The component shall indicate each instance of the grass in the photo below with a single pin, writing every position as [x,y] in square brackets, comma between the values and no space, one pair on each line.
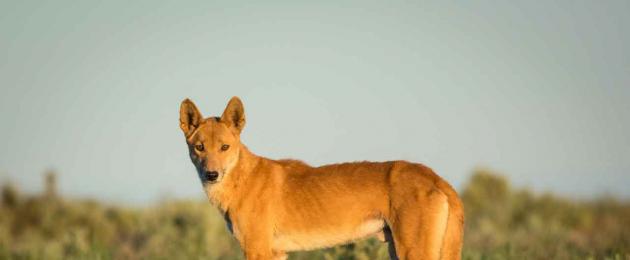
[501,223]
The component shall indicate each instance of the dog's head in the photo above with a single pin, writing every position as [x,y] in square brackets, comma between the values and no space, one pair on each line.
[214,143]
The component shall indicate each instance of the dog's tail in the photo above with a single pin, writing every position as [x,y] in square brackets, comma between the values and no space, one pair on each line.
[454,235]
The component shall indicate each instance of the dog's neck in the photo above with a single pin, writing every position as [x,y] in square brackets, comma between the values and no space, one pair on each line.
[222,194]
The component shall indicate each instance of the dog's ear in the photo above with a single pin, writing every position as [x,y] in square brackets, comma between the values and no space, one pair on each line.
[189,117]
[234,114]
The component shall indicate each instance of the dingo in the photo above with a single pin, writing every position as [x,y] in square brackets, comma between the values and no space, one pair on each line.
[276,206]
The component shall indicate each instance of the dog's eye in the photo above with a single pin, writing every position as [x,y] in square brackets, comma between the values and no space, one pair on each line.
[225,147]
[199,147]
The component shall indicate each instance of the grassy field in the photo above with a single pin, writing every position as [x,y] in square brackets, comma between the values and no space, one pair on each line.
[501,223]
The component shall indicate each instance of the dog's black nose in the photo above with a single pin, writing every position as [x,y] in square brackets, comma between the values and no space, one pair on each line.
[211,176]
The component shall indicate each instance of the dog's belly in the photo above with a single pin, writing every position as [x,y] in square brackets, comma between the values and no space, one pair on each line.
[293,241]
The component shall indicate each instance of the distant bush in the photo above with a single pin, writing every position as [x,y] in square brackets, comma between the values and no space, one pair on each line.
[501,223]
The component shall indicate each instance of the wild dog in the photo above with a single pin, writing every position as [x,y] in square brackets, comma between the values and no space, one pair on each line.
[277,206]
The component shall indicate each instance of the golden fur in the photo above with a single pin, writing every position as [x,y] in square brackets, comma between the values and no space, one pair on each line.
[276,206]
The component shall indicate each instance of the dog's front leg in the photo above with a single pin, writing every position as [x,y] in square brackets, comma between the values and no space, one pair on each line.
[263,254]
[256,239]
[257,248]
[279,255]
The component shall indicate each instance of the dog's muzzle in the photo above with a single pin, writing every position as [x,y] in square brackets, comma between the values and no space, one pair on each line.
[210,176]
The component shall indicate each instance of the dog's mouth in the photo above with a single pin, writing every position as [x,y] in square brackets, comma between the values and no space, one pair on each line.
[210,176]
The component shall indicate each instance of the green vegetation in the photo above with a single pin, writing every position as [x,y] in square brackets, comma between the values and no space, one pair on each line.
[501,223]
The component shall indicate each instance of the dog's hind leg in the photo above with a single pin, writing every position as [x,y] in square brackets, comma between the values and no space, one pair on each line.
[418,225]
[454,236]
[391,247]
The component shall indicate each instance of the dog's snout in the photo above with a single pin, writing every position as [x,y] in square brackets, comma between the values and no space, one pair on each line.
[211,176]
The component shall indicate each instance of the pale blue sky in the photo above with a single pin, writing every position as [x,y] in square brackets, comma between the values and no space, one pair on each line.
[538,91]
